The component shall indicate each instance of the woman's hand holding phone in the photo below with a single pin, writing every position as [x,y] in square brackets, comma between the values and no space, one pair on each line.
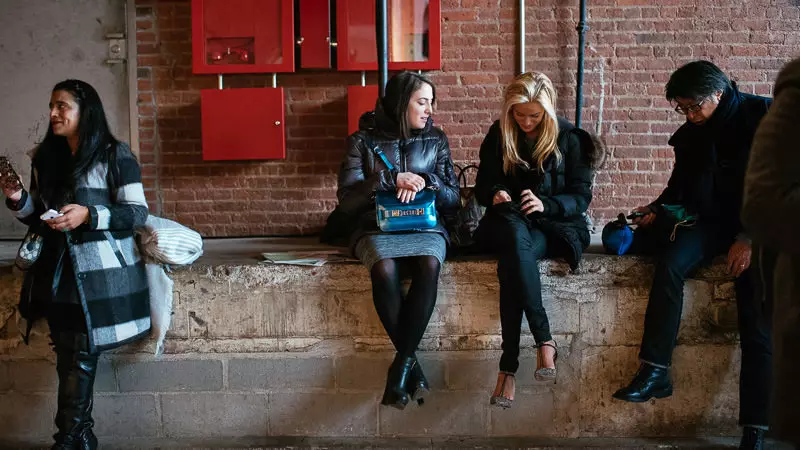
[12,186]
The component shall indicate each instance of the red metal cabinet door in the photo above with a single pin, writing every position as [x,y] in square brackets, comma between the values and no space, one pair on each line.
[360,99]
[315,34]
[242,36]
[243,124]
[414,35]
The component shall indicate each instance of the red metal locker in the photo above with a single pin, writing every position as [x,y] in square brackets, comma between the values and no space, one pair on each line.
[243,124]
[242,36]
[360,99]
[315,34]
[414,35]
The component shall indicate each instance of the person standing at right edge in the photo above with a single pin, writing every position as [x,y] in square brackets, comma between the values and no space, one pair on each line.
[535,180]
[771,212]
[695,219]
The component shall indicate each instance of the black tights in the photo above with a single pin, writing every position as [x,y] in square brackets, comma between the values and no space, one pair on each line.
[405,320]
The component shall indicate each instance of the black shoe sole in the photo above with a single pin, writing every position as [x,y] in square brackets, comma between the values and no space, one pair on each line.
[656,394]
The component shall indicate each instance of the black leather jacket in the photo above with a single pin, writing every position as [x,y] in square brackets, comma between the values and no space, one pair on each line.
[362,173]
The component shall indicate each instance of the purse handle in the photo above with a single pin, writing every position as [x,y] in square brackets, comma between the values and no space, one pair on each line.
[462,176]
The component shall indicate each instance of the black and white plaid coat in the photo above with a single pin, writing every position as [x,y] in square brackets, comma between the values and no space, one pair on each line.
[109,273]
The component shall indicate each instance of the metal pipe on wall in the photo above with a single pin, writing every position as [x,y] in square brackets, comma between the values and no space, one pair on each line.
[579,76]
[521,43]
[382,39]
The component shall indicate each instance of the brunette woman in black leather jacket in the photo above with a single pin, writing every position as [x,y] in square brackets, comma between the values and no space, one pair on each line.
[400,127]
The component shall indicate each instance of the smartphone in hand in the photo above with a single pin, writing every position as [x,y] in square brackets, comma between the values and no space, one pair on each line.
[636,214]
[50,214]
[9,180]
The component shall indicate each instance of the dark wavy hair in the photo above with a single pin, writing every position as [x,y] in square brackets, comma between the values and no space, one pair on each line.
[399,90]
[696,80]
[57,168]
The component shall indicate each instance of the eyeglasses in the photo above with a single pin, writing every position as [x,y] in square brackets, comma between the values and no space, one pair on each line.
[685,110]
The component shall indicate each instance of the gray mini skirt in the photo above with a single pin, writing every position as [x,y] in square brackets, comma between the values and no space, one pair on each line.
[372,248]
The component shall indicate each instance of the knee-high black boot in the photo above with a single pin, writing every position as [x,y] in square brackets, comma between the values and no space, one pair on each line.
[76,372]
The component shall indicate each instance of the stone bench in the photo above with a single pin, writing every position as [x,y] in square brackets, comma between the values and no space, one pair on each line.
[268,350]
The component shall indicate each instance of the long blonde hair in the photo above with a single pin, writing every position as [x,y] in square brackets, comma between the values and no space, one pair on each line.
[529,87]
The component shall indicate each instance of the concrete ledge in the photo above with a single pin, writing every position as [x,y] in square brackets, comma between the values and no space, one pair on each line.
[258,351]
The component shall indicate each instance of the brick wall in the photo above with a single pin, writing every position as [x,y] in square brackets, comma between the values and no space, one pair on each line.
[632,47]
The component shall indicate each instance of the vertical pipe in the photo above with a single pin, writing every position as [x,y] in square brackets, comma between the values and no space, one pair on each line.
[382,39]
[219,82]
[133,84]
[579,76]
[522,31]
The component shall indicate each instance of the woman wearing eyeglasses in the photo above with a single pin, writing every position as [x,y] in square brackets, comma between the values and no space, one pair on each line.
[696,218]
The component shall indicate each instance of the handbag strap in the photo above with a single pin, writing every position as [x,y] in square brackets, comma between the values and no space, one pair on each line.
[377,150]
[380,153]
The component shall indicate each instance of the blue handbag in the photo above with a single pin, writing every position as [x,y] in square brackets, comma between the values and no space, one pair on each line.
[394,215]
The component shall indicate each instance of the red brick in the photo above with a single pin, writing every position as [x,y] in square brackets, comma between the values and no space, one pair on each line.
[637,44]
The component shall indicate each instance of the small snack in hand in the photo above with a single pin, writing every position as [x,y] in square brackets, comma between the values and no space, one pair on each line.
[9,180]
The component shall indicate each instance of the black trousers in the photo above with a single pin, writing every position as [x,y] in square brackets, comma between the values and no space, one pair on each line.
[519,247]
[676,259]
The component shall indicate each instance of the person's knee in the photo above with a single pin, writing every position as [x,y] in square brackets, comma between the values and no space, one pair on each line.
[671,266]
[510,232]
[427,267]
[384,270]
[429,263]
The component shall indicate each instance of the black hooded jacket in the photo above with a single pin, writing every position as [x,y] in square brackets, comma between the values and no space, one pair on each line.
[564,187]
[362,173]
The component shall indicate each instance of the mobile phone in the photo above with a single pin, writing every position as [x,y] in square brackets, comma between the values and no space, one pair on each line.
[50,214]
[636,214]
[9,180]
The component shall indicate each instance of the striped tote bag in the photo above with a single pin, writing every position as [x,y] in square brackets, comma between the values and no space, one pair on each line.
[164,241]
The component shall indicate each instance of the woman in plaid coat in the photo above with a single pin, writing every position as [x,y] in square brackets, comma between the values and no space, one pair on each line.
[89,281]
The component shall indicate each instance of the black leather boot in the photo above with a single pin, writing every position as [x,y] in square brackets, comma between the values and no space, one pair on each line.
[752,439]
[417,385]
[76,373]
[396,394]
[650,382]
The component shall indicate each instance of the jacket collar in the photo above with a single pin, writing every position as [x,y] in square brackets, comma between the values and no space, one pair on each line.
[727,108]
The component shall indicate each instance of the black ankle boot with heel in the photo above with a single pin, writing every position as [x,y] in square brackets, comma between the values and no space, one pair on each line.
[396,392]
[417,385]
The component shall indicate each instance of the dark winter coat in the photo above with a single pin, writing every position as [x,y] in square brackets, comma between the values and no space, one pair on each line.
[362,173]
[564,187]
[771,213]
[109,274]
[711,159]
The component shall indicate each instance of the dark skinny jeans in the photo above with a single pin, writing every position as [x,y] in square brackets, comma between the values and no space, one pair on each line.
[675,261]
[519,247]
